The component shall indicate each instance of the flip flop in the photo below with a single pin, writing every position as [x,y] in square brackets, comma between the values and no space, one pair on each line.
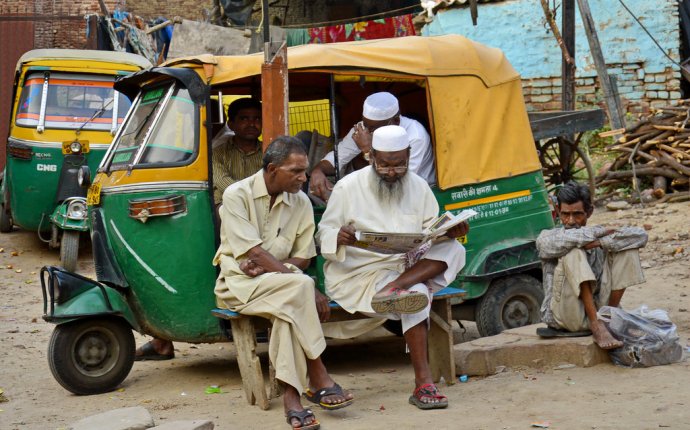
[399,301]
[302,416]
[550,332]
[335,390]
[429,391]
[148,353]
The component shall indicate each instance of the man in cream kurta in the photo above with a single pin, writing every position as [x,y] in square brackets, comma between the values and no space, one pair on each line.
[266,238]
[355,277]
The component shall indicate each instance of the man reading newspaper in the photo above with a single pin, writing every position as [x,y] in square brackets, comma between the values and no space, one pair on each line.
[386,197]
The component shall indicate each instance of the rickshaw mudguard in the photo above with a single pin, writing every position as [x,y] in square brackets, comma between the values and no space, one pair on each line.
[78,297]
[496,260]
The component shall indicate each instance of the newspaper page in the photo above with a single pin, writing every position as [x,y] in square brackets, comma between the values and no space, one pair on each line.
[401,243]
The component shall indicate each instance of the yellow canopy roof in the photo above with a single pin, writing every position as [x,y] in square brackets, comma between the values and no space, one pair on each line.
[480,127]
[84,54]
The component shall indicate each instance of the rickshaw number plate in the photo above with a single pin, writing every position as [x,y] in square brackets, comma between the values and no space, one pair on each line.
[93,195]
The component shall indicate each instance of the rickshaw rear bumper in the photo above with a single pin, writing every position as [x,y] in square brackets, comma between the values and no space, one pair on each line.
[68,297]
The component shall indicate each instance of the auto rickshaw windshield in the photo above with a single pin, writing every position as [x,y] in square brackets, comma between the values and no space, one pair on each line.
[72,102]
[162,129]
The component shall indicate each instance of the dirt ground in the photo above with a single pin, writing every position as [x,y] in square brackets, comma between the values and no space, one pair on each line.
[375,369]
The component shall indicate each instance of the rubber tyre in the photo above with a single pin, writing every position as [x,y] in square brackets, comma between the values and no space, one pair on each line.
[5,220]
[91,356]
[69,250]
[509,302]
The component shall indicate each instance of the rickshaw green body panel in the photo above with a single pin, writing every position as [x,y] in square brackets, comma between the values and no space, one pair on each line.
[171,287]
[91,303]
[34,184]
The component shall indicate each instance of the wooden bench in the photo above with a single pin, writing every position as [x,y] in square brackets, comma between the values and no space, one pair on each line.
[441,359]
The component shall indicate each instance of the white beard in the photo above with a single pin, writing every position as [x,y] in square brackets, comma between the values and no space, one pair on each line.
[387,193]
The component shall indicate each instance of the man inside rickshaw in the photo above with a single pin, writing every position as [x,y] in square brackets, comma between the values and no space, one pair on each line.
[379,109]
[585,268]
[386,197]
[236,155]
[266,240]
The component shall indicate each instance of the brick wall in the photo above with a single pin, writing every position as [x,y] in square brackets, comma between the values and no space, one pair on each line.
[58,23]
[639,90]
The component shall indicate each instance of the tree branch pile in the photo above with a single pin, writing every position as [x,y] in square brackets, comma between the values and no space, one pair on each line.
[654,154]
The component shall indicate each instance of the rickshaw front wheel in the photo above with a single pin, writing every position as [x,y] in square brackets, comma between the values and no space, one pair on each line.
[91,356]
[69,250]
[510,302]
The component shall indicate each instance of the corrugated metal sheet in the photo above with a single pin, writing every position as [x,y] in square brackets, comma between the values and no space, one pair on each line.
[17,37]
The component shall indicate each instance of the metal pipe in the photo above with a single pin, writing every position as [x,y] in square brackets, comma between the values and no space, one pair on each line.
[264,21]
[44,102]
[334,129]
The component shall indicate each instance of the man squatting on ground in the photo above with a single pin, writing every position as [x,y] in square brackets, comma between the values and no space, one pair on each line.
[386,197]
[236,155]
[379,109]
[586,267]
[266,240]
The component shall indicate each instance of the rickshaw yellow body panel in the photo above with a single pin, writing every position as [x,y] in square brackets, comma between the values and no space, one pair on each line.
[457,72]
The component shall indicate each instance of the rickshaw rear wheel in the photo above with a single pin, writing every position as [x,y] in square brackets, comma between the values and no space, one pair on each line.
[91,356]
[69,250]
[510,302]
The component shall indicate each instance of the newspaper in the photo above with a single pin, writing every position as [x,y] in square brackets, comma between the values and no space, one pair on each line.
[401,243]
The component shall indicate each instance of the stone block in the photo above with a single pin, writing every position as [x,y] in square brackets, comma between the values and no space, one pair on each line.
[541,99]
[630,66]
[651,94]
[541,83]
[536,91]
[674,94]
[640,73]
[557,89]
[186,425]
[655,87]
[649,78]
[134,418]
[522,347]
[660,78]
[663,94]
[673,83]
[623,89]
[635,95]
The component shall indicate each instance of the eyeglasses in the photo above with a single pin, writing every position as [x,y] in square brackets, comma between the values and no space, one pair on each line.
[387,169]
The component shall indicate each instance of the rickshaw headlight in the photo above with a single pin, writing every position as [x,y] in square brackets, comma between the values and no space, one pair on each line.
[76,210]
[75,147]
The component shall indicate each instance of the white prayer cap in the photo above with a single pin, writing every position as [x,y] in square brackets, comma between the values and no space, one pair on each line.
[390,138]
[380,106]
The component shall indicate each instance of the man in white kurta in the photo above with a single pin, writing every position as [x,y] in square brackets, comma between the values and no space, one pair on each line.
[379,109]
[356,277]
[266,240]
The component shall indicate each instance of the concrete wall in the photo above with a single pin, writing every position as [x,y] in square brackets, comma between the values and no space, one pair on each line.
[518,27]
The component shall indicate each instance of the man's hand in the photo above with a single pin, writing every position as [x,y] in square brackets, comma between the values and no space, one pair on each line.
[459,230]
[319,185]
[595,243]
[362,137]
[346,235]
[251,269]
[322,307]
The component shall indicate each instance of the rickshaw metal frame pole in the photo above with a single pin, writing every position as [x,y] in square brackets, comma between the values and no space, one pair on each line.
[116,108]
[274,92]
[334,127]
[40,128]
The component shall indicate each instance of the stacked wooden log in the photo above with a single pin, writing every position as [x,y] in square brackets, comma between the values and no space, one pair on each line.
[655,151]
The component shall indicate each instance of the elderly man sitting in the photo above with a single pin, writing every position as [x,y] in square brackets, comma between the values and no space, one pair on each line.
[585,268]
[386,197]
[266,240]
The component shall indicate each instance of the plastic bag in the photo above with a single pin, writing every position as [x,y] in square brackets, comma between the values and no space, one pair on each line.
[649,337]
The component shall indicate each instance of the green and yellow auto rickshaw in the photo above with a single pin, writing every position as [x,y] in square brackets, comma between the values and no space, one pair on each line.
[64,115]
[154,229]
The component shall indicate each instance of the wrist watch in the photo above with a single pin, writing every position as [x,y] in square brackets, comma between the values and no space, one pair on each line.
[365,155]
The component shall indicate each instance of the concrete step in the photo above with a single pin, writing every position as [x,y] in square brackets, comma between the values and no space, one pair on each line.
[521,347]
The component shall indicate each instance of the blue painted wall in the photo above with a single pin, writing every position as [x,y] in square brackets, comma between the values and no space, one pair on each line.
[519,28]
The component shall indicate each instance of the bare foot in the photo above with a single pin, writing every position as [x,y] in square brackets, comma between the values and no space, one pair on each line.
[603,337]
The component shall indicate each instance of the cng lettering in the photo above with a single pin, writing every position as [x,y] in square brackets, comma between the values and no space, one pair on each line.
[46,167]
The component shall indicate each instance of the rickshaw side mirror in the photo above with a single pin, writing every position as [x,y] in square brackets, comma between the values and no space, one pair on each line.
[84,176]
